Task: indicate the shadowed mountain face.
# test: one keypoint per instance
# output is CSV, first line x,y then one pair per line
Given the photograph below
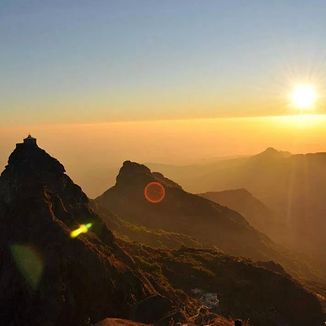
x,y
255,212
48,278
247,290
293,186
155,238
182,212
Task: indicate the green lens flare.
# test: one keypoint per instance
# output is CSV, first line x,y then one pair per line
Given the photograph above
x,y
82,229
29,263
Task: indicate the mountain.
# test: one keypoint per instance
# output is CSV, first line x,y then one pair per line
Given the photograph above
x,y
155,238
255,211
51,276
223,174
47,277
183,213
261,293
292,185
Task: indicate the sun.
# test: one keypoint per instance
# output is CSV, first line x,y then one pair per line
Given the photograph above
x,y
304,96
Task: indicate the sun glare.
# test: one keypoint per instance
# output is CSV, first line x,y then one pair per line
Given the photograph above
x,y
304,96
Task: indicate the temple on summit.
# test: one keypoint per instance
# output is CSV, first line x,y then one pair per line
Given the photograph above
x,y
29,140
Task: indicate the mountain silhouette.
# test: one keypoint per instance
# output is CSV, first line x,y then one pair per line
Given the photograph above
x,y
50,277
291,185
182,212
255,211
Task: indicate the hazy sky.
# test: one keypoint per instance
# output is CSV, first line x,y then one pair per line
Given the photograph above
x,y
93,153
173,81
81,61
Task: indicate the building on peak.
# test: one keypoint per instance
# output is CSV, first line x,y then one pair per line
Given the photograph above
x,y
29,140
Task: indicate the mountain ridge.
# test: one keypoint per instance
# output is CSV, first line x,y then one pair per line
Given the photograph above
x,y
207,222
176,199
78,274
255,211
49,278
290,185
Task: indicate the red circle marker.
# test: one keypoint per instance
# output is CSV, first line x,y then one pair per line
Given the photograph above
x,y
154,192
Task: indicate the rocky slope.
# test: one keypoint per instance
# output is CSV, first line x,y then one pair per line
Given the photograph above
x,y
48,278
260,293
182,212
255,211
292,185
155,238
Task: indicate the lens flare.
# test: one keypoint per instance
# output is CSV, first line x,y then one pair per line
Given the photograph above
x,y
82,229
154,192
29,262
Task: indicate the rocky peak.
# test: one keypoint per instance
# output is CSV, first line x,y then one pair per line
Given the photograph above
x,y
271,154
271,150
29,159
32,173
52,277
131,170
139,174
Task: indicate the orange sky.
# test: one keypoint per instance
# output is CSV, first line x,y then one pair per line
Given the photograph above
x,y
89,151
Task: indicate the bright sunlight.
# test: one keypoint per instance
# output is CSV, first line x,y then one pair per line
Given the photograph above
x,y
304,96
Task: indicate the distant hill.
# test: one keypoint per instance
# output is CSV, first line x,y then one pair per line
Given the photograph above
x,y
292,186
255,211
186,214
